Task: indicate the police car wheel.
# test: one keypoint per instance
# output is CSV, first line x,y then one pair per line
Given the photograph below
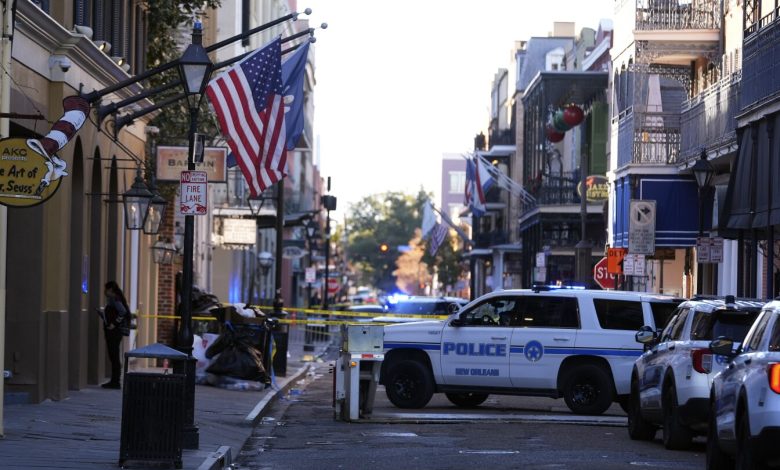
x,y
639,429
467,400
676,435
587,390
746,450
409,384
716,458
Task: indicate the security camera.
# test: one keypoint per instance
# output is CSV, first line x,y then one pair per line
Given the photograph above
x,y
60,61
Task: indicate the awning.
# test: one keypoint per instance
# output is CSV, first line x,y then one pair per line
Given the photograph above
x,y
677,209
753,199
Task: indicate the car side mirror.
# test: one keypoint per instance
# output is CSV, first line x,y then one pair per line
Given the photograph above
x,y
457,321
646,335
723,347
453,308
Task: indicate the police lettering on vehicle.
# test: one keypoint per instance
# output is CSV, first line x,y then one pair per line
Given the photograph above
x,y
474,349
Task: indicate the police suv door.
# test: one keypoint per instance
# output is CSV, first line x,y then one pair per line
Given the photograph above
x,y
477,352
545,333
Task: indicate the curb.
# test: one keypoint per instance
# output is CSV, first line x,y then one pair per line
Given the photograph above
x,y
218,460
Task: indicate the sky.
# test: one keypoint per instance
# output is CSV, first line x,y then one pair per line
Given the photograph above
x,y
400,82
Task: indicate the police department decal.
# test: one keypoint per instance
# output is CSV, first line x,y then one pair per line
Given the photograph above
x,y
533,351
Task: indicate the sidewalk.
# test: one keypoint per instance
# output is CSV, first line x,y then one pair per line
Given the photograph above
x,y
83,430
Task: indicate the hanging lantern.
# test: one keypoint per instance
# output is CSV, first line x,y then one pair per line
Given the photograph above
x,y
558,123
552,134
573,115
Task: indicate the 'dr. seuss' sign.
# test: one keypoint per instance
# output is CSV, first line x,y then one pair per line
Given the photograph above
x,y
26,176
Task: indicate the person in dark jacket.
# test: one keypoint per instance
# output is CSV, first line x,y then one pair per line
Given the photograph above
x,y
116,324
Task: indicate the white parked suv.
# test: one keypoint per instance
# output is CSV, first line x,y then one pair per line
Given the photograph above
x,y
575,344
670,383
745,398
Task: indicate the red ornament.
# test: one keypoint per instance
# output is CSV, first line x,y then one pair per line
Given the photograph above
x,y
573,115
552,134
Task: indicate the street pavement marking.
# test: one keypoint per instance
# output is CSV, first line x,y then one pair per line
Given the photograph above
x,y
619,421
489,452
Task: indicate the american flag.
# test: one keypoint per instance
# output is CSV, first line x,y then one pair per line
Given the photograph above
x,y
248,101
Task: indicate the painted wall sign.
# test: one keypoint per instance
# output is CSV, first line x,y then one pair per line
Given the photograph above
x,y
597,188
171,161
27,177
239,231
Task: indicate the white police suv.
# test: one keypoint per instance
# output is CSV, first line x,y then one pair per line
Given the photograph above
x,y
745,398
670,383
578,344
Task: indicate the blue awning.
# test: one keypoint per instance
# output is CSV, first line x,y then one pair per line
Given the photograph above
x,y
677,209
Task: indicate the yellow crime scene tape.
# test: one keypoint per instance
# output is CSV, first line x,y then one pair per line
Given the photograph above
x,y
345,313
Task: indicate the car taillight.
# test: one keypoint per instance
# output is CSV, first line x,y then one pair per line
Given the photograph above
x,y
773,371
702,360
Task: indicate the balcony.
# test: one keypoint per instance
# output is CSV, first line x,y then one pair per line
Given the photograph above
x,y
502,137
648,137
761,62
709,119
556,190
498,237
668,15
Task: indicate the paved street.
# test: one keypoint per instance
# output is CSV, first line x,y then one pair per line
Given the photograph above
x,y
300,433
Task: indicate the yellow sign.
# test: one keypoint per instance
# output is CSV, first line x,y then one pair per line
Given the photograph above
x,y
597,188
27,178
171,161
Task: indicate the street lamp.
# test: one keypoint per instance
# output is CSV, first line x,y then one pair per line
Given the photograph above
x,y
194,70
136,201
154,215
703,171
265,260
163,251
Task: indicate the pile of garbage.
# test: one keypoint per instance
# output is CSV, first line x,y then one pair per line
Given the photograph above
x,y
233,359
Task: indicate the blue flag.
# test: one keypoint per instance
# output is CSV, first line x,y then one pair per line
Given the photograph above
x,y
293,78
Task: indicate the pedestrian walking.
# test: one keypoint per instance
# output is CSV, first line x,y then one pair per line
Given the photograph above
x,y
116,324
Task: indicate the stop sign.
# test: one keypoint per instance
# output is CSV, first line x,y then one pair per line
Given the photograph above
x,y
602,277
333,285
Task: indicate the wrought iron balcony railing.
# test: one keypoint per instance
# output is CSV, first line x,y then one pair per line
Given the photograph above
x,y
761,62
648,137
502,137
709,119
488,239
556,189
655,15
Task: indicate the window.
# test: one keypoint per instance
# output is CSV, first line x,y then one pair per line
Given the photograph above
x,y
547,312
774,340
662,312
619,314
457,182
753,340
498,311
674,329
732,325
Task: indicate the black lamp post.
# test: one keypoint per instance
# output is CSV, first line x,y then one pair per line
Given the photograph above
x,y
310,228
703,171
136,201
194,70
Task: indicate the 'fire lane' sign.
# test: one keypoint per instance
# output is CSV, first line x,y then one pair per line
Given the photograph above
x,y
194,193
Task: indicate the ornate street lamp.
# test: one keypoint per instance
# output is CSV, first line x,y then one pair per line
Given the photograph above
x,y
155,213
703,171
136,201
195,67
265,260
163,251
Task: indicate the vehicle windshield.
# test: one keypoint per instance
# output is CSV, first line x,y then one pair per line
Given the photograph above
x,y
708,326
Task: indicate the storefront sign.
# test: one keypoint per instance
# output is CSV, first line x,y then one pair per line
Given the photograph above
x,y
27,178
597,188
293,252
641,227
171,161
194,193
239,231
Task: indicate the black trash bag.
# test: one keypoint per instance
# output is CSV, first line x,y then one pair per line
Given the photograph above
x,y
237,357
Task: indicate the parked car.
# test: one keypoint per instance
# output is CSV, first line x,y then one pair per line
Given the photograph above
x,y
670,382
745,398
575,344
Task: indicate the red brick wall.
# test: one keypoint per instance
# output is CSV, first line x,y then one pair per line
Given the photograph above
x,y
166,285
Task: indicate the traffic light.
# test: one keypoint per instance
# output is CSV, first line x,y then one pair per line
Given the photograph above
x,y
383,247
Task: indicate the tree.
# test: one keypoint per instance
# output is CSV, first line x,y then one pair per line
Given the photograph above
x,y
412,274
389,218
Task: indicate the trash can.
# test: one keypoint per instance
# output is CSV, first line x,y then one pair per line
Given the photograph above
x,y
153,410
